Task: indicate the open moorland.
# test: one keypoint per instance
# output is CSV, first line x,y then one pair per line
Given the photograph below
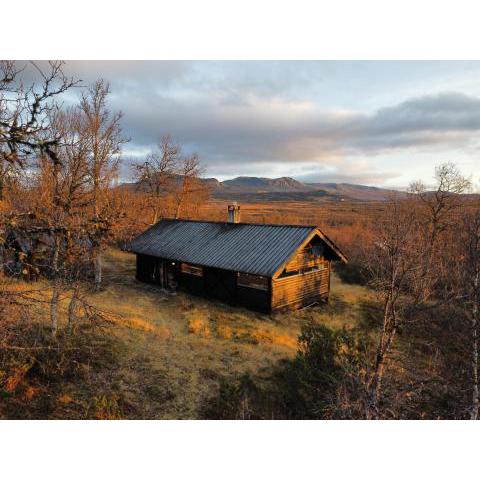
x,y
165,356
137,351
81,338
171,352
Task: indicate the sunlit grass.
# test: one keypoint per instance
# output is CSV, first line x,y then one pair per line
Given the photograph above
x,y
194,342
188,343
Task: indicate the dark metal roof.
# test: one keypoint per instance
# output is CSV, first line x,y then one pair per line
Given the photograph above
x,y
250,248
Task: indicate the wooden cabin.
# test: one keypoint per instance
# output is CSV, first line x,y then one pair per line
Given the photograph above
x,y
263,267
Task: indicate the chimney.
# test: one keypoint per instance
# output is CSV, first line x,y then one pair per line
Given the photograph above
x,y
233,213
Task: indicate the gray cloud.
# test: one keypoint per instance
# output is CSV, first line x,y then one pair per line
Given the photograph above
x,y
361,178
288,131
255,117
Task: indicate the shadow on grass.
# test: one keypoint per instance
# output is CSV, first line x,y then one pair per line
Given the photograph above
x,y
370,317
351,273
336,306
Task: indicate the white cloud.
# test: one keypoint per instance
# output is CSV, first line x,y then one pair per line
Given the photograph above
x,y
265,118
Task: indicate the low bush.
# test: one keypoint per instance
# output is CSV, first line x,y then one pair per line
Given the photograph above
x,y
39,372
324,380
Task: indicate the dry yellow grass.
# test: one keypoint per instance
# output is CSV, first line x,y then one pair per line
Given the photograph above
x,y
190,343
207,340
198,324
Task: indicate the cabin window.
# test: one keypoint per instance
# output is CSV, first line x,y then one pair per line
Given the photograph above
x,y
318,251
252,281
191,269
292,273
320,266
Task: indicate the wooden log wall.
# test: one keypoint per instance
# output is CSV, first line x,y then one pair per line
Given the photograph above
x,y
302,289
303,259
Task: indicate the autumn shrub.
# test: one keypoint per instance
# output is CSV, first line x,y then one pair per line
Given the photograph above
x,y
352,272
197,323
324,380
37,368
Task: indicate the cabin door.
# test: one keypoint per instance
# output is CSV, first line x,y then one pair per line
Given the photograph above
x,y
165,274
159,275
170,275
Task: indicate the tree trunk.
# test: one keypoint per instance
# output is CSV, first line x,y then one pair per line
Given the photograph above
x,y
386,339
177,210
54,308
56,287
72,307
156,208
2,253
3,235
97,267
475,399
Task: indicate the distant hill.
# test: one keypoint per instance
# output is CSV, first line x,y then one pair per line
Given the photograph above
x,y
287,188
284,189
356,192
258,184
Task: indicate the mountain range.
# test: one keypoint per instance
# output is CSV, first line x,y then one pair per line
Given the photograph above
x,y
284,189
287,188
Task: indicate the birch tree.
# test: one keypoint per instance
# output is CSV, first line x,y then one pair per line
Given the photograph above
x,y
24,118
469,270
59,208
392,262
436,209
170,178
188,184
25,107
103,134
406,266
157,173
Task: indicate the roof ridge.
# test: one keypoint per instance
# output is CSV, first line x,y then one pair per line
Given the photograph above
x,y
239,223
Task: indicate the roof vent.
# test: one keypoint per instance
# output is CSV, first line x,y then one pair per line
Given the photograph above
x,y
233,213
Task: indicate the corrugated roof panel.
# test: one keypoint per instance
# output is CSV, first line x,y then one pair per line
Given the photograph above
x,y
249,248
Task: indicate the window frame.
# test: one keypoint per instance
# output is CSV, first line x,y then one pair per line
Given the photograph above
x,y
189,269
264,286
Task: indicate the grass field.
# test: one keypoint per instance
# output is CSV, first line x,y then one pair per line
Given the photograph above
x,y
161,356
191,343
164,356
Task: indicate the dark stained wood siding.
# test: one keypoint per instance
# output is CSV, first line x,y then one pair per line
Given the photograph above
x,y
254,299
214,283
157,270
191,283
145,268
220,284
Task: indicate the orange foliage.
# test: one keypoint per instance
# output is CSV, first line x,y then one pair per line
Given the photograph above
x,y
65,399
198,326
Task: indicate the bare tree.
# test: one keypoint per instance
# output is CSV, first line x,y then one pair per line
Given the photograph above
x,y
168,177
24,110
103,135
407,269
437,214
59,208
391,262
188,183
468,268
156,174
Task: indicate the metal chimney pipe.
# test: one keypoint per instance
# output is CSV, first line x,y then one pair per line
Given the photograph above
x,y
233,213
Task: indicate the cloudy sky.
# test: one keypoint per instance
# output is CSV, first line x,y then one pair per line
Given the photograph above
x,y
375,123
